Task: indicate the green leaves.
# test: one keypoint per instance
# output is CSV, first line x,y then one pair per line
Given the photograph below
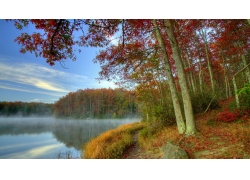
x,y
244,96
245,90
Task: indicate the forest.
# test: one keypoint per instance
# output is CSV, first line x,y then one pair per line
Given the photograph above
x,y
19,108
187,79
97,104
82,104
177,67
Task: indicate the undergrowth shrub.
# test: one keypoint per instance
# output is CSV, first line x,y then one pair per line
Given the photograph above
x,y
244,96
226,116
200,102
232,106
149,131
155,103
242,113
164,115
159,113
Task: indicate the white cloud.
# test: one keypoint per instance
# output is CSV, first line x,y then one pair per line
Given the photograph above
x,y
34,78
48,86
24,89
33,75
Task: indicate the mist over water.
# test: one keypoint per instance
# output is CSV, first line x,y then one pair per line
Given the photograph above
x,y
47,137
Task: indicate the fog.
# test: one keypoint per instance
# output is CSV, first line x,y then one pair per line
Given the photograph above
x,y
72,133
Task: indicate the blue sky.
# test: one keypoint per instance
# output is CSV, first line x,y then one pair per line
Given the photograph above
x,y
24,77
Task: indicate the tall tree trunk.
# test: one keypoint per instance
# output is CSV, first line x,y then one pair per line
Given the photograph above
x,y
158,87
247,69
209,65
191,74
225,75
172,87
200,67
235,92
188,109
229,89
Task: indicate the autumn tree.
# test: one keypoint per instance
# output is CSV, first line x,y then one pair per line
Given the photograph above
x,y
19,108
149,53
175,99
97,103
56,41
188,110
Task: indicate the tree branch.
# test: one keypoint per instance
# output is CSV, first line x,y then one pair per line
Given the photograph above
x,y
62,65
240,71
96,25
52,38
123,32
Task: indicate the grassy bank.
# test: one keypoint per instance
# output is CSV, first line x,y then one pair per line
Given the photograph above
x,y
111,144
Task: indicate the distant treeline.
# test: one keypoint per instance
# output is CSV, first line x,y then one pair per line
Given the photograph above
x,y
97,103
19,108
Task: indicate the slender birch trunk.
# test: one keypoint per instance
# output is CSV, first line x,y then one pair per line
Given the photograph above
x,y
200,68
191,74
235,92
185,65
229,89
177,108
188,109
225,75
209,65
158,88
247,69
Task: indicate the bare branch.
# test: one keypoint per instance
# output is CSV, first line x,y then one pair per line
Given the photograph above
x,y
62,65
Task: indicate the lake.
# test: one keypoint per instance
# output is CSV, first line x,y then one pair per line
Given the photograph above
x,y
49,138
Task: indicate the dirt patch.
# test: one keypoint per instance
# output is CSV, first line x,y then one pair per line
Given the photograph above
x,y
134,151
222,151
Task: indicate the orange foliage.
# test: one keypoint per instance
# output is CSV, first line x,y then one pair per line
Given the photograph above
x,y
111,144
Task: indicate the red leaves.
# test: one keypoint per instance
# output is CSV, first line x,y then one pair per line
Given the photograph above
x,y
226,116
56,42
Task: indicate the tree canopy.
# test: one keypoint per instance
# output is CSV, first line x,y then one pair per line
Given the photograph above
x,y
185,57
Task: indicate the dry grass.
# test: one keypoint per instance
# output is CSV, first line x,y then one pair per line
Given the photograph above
x,y
112,143
153,136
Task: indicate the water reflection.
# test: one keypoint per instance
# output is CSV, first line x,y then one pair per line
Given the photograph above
x,y
39,152
45,137
75,133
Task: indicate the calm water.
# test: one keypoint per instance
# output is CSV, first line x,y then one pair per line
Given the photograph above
x,y
48,138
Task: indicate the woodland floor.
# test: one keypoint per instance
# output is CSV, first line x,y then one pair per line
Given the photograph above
x,y
134,151
214,140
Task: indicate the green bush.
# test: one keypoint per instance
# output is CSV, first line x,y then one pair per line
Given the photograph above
x,y
200,102
145,133
164,115
244,96
232,106
151,129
